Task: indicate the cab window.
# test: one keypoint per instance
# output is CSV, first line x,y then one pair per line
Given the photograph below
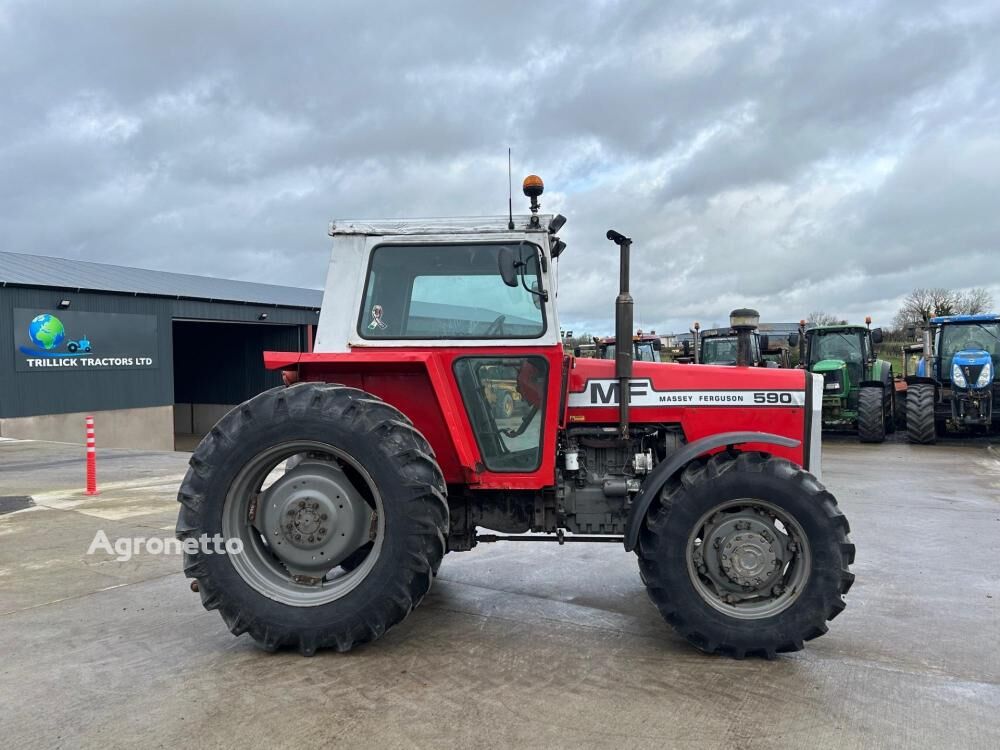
x,y
451,292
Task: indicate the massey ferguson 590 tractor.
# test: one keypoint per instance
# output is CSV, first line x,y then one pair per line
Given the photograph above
x,y
348,486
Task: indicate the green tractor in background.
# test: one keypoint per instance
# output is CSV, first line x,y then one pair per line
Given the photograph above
x,y
858,388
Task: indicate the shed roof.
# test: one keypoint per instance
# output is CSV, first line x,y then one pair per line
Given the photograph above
x,y
20,269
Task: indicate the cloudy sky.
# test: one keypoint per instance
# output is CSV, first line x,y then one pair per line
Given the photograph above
x,y
780,155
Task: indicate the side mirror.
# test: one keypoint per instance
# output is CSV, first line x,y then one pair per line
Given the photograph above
x,y
507,266
793,340
657,345
765,343
686,347
576,351
876,335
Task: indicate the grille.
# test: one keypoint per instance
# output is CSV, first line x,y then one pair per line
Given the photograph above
x,y
833,382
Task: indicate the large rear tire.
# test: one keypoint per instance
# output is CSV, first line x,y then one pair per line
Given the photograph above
x,y
871,415
920,425
360,453
746,555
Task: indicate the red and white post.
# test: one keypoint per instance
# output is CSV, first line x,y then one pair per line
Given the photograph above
x,y
91,458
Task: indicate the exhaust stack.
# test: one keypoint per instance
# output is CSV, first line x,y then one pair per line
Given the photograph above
x,y
623,333
744,321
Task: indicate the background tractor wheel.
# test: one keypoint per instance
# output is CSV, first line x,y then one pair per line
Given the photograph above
x,y
506,404
338,548
871,415
746,555
920,425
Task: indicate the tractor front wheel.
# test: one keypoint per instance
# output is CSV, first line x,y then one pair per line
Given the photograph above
x,y
871,415
920,425
746,555
330,548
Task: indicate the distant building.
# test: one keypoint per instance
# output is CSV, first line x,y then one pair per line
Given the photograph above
x,y
150,354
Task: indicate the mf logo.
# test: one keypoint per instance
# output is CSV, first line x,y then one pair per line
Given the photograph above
x,y
601,393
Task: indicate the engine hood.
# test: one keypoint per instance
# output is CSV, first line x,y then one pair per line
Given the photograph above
x,y
968,357
828,365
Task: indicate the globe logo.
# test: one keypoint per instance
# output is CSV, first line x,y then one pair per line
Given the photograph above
x,y
46,331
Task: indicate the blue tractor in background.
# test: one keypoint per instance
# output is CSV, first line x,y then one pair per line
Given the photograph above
x,y
955,385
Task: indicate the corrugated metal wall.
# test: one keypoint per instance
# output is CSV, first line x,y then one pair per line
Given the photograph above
x,y
221,363
54,392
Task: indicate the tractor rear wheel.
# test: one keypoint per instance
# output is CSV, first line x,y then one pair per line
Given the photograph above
x,y
338,546
871,415
746,555
920,425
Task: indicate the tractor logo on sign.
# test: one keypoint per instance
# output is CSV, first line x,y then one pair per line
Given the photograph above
x,y
47,333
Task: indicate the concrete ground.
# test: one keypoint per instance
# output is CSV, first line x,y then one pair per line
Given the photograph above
x,y
517,645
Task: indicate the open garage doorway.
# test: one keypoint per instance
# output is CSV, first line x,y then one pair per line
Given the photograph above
x,y
220,365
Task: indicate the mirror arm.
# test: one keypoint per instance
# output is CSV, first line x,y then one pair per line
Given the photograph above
x,y
521,265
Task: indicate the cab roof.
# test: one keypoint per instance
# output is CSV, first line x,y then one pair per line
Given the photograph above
x,y
453,225
846,327
980,318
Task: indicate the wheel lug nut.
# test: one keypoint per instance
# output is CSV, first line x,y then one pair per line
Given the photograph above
x,y
312,539
323,517
302,503
291,511
322,531
298,537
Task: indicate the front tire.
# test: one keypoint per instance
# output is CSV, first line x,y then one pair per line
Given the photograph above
x,y
920,425
746,555
373,457
871,415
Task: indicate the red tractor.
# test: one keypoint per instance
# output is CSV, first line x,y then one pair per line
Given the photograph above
x,y
346,487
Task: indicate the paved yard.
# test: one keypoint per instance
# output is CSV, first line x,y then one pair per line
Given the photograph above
x,y
517,645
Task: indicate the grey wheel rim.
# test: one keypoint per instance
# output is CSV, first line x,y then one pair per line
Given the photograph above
x,y
748,559
284,555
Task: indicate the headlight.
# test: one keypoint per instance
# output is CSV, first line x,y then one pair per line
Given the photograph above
x,y
957,377
985,375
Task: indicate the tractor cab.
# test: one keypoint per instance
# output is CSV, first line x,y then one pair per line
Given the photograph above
x,y
840,354
720,346
858,388
968,349
955,381
646,347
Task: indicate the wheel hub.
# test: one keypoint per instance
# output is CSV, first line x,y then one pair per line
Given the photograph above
x,y
309,521
313,518
746,552
748,559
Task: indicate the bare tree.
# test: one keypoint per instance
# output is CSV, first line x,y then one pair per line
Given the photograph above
x,y
820,318
975,301
922,304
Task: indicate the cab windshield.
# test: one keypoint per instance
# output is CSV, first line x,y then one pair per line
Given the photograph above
x,y
970,336
451,292
644,352
718,351
843,345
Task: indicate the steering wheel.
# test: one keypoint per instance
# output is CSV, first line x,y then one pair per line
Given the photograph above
x,y
495,328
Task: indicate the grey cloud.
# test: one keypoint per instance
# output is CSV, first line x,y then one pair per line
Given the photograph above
x,y
794,158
